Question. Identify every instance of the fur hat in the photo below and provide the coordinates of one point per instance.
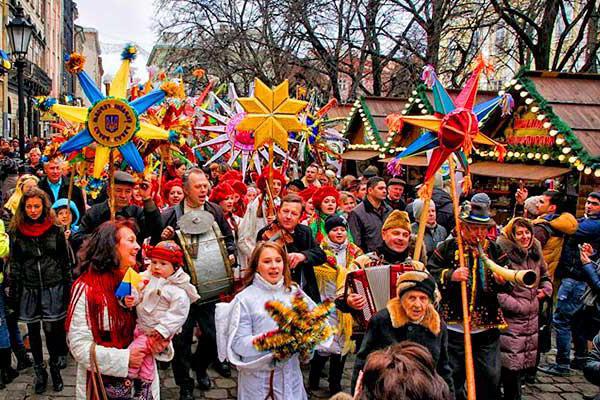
(170, 185)
(166, 250)
(263, 179)
(333, 221)
(397, 219)
(221, 192)
(307, 193)
(322, 192)
(417, 280)
(238, 186)
(232, 175)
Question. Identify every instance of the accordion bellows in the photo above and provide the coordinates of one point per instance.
(377, 285)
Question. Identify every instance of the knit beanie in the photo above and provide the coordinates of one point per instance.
(166, 250)
(334, 221)
(397, 219)
(416, 280)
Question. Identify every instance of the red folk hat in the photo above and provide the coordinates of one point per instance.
(308, 193)
(166, 250)
(238, 186)
(322, 192)
(263, 179)
(170, 185)
(221, 192)
(231, 175)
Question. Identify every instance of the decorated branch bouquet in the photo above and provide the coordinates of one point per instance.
(299, 330)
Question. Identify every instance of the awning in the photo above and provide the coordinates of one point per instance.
(517, 171)
(359, 155)
(414, 161)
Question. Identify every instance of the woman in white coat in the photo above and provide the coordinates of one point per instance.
(97, 323)
(259, 376)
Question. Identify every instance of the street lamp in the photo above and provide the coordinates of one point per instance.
(20, 31)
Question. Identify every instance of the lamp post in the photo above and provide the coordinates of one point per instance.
(19, 33)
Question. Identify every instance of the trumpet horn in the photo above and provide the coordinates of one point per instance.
(526, 278)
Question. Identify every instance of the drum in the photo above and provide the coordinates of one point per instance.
(206, 257)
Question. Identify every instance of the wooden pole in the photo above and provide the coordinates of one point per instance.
(111, 189)
(270, 184)
(469, 370)
(70, 193)
(160, 176)
(422, 223)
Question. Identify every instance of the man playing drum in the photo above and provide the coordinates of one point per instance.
(196, 189)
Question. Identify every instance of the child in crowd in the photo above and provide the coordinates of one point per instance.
(162, 304)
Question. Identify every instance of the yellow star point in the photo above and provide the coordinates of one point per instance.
(271, 114)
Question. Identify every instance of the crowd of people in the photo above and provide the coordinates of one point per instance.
(64, 258)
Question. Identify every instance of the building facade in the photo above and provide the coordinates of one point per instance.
(87, 43)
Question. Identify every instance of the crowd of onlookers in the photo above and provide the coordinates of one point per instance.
(317, 227)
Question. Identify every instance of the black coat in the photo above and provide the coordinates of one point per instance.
(381, 334)
(63, 193)
(171, 215)
(147, 219)
(591, 369)
(486, 309)
(304, 243)
(365, 223)
(41, 261)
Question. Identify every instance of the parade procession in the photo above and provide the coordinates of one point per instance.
(289, 200)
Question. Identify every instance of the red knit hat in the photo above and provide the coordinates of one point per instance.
(166, 250)
(323, 192)
(307, 193)
(263, 179)
(170, 185)
(221, 192)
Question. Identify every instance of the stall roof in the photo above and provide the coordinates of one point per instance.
(414, 161)
(359, 155)
(575, 99)
(518, 171)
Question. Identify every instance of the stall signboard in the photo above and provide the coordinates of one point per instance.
(527, 130)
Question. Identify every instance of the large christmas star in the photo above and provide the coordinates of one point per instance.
(112, 121)
(455, 123)
(271, 114)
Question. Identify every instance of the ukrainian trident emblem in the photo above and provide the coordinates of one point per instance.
(111, 123)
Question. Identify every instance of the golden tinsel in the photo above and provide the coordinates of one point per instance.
(299, 330)
(75, 63)
(172, 89)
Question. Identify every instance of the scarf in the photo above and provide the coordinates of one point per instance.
(99, 289)
(36, 229)
(339, 250)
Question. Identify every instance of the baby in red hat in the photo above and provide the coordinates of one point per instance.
(162, 303)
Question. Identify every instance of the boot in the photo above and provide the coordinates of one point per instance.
(23, 359)
(57, 382)
(41, 378)
(7, 373)
(336, 369)
(316, 367)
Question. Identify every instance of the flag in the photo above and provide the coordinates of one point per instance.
(131, 279)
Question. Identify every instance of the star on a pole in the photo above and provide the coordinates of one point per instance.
(271, 114)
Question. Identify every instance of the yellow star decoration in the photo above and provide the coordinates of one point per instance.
(299, 330)
(271, 114)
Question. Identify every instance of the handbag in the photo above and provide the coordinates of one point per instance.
(107, 387)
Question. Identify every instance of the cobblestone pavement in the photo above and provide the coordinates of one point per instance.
(547, 387)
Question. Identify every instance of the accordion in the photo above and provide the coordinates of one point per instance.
(377, 285)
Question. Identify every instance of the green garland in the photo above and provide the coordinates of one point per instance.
(563, 129)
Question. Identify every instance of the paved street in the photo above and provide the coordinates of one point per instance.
(547, 388)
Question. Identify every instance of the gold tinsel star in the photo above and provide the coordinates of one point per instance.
(271, 114)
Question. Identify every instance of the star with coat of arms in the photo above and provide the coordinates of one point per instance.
(271, 114)
(112, 121)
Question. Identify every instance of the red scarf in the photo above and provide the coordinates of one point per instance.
(35, 229)
(99, 291)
